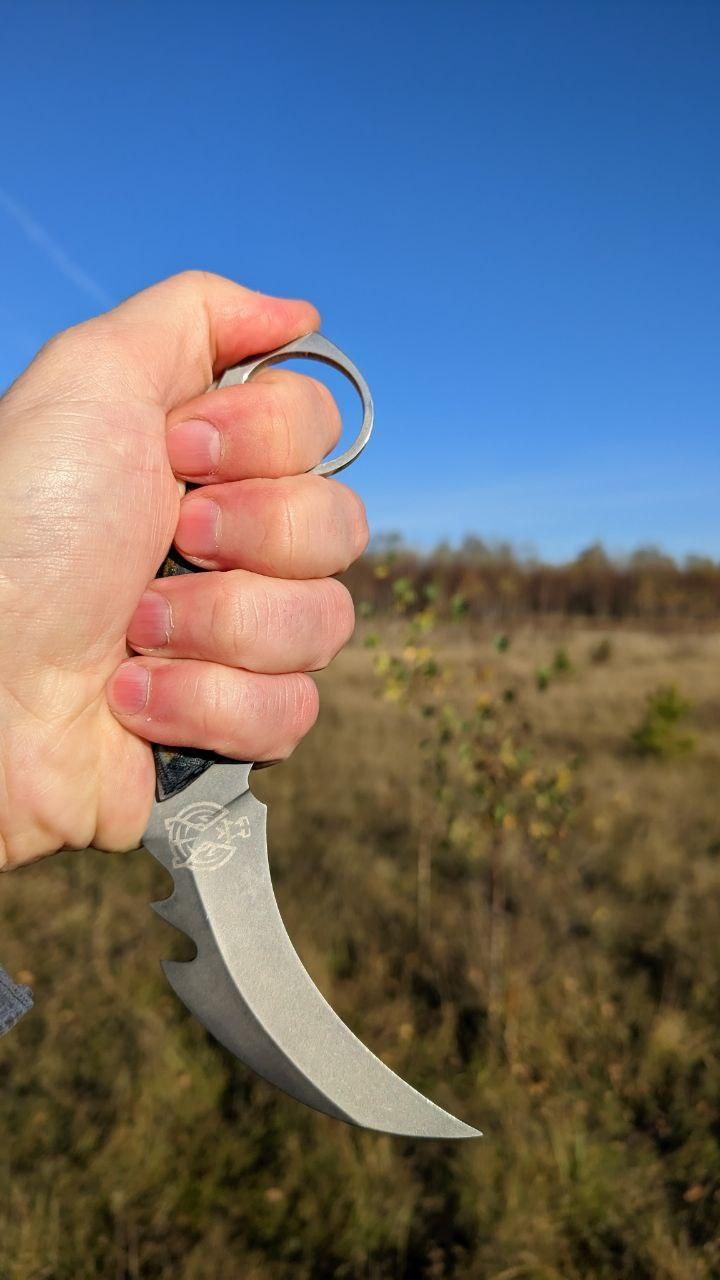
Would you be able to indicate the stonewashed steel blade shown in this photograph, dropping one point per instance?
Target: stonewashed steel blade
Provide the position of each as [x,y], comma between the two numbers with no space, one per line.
[247,984]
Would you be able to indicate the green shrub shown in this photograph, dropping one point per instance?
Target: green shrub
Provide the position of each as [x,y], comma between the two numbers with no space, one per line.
[561,662]
[658,733]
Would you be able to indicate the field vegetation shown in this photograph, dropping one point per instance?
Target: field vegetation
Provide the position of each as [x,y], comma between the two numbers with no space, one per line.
[496,582]
[499,857]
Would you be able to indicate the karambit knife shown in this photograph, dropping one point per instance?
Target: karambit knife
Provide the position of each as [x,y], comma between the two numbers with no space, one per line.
[246,983]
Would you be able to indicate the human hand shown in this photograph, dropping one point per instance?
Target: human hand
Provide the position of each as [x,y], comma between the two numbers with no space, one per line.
[93,438]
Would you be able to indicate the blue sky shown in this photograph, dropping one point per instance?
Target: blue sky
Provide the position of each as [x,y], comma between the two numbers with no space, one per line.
[507,212]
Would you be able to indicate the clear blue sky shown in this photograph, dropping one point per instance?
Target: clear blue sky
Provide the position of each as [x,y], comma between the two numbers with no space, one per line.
[508,213]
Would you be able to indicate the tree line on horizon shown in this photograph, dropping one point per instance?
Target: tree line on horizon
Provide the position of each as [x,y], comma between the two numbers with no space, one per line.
[496,582]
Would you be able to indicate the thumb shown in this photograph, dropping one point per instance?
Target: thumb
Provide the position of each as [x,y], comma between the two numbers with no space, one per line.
[167,343]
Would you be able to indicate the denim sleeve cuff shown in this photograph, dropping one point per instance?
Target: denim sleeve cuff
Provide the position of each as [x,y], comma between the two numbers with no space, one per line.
[15,1001]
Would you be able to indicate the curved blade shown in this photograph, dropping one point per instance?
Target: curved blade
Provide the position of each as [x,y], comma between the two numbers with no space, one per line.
[247,984]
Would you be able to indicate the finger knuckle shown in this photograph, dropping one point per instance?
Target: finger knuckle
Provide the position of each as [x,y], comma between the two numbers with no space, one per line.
[61,342]
[345,606]
[300,708]
[360,527]
[356,525]
[232,624]
[79,342]
[273,407]
[280,415]
[284,711]
[325,410]
[334,622]
[193,281]
[219,705]
[288,531]
[269,617]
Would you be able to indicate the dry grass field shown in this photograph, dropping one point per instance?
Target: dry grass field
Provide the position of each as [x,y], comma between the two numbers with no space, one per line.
[507,895]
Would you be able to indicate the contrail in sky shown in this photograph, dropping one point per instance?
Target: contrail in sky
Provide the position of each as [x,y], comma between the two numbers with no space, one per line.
[52,250]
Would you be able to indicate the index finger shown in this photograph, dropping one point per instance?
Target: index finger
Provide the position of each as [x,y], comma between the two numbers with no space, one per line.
[277,424]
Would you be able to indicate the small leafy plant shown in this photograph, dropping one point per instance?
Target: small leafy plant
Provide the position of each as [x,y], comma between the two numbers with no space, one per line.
[659,733]
[489,802]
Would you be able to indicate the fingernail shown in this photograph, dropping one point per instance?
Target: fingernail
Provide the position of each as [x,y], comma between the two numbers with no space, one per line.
[198,527]
[194,447]
[128,689]
[151,622]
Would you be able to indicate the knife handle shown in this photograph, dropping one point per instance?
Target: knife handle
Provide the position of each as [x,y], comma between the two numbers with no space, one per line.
[176,767]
